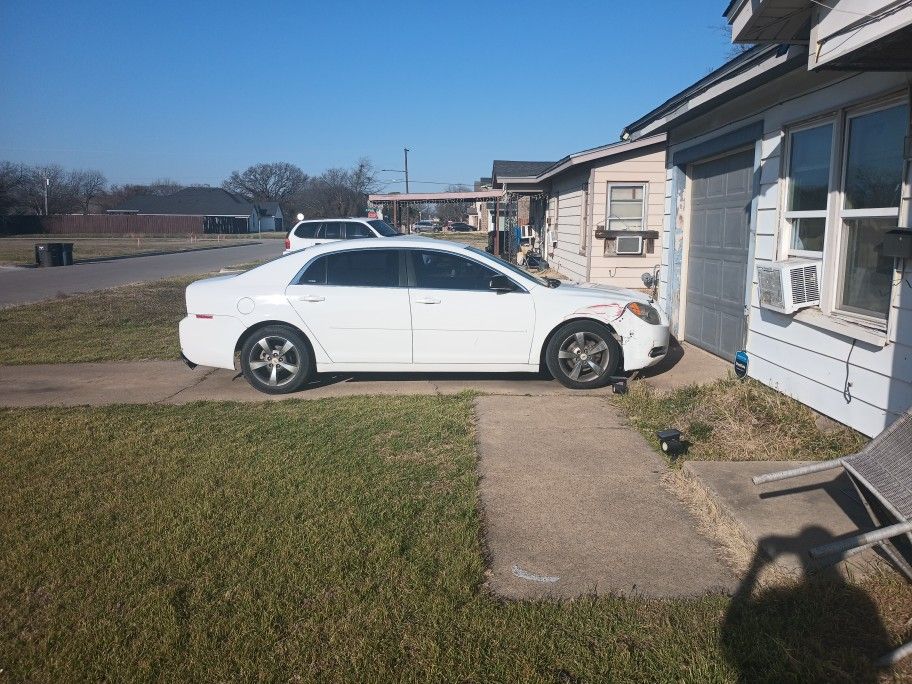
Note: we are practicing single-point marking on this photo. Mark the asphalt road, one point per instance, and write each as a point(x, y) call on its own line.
point(25, 285)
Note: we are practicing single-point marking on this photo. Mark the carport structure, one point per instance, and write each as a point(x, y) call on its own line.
point(396, 200)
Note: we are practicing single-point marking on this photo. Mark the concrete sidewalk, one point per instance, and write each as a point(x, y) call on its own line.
point(784, 520)
point(574, 504)
point(142, 382)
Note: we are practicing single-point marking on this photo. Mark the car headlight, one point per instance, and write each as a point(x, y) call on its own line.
point(645, 312)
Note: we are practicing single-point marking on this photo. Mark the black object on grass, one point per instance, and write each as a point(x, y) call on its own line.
point(670, 439)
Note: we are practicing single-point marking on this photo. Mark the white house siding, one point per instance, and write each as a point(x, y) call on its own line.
point(627, 271)
point(566, 208)
point(862, 385)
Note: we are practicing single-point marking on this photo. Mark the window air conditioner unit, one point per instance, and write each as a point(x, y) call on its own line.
point(787, 286)
point(629, 244)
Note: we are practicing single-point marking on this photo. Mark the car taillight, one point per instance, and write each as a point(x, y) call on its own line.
point(287, 243)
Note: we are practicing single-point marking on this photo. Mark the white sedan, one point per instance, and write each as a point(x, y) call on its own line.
point(414, 304)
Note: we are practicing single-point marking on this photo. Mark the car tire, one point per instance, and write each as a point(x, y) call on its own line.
point(583, 355)
point(276, 359)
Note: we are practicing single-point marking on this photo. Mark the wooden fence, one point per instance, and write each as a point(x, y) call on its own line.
point(104, 224)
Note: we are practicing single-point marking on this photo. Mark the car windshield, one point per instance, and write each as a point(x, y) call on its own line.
point(513, 267)
point(383, 228)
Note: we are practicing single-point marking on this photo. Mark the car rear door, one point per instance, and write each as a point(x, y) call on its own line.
point(330, 231)
point(457, 318)
point(357, 305)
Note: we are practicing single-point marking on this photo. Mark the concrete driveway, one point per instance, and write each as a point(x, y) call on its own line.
point(25, 285)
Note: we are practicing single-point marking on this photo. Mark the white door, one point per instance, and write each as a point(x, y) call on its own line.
point(457, 318)
point(353, 303)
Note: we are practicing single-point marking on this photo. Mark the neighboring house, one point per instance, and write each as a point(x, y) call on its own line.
point(270, 216)
point(517, 210)
point(223, 211)
point(797, 149)
point(599, 211)
point(480, 209)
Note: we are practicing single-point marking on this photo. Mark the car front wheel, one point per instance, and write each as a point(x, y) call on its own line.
point(583, 355)
point(276, 359)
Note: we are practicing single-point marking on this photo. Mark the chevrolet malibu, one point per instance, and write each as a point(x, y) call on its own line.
point(413, 304)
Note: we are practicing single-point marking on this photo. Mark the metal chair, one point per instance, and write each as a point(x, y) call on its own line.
point(882, 475)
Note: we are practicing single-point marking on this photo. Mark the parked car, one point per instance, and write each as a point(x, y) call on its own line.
point(408, 304)
point(316, 232)
point(426, 227)
point(460, 227)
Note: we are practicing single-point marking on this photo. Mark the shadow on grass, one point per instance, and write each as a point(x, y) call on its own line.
point(821, 629)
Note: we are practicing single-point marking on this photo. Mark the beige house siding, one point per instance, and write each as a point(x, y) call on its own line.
point(598, 263)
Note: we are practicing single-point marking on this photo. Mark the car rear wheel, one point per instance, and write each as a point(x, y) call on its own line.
point(276, 359)
point(583, 355)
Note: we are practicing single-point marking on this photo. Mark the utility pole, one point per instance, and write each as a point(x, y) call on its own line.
point(406, 169)
point(47, 183)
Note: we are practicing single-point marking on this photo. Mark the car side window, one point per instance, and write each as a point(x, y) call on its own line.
point(363, 268)
point(444, 271)
point(307, 230)
point(332, 230)
point(357, 230)
point(315, 273)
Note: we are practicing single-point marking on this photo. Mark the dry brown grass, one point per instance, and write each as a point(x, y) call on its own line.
point(738, 420)
point(20, 250)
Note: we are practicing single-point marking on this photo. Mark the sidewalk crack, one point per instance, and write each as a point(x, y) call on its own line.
point(190, 386)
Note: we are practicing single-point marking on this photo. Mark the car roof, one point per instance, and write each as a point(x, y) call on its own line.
point(347, 218)
point(386, 242)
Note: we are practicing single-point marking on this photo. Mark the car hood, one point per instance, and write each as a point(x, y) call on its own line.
point(590, 291)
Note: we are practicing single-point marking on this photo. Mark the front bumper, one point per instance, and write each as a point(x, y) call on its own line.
point(644, 345)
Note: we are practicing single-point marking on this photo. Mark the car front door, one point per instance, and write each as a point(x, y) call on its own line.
point(458, 319)
point(356, 304)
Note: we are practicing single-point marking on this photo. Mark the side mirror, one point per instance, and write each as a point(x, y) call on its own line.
point(501, 284)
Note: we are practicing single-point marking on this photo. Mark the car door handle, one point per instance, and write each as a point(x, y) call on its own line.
point(311, 298)
point(427, 300)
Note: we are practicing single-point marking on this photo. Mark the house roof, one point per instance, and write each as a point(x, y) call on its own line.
point(585, 156)
point(191, 202)
point(745, 72)
point(514, 169)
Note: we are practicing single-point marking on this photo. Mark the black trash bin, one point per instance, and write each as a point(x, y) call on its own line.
point(66, 253)
point(51, 254)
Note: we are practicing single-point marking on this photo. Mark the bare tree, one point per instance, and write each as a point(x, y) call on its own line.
point(274, 182)
point(118, 194)
point(453, 211)
point(88, 185)
point(13, 177)
point(338, 192)
point(55, 183)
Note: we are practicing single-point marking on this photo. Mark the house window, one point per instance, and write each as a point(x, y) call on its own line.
point(626, 207)
point(810, 151)
point(866, 188)
point(872, 186)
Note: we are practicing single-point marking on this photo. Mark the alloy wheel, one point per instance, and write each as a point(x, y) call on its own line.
point(584, 356)
point(274, 360)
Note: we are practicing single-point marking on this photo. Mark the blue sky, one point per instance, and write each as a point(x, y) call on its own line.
point(194, 90)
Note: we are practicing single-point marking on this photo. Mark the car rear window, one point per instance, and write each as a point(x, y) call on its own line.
point(357, 230)
point(307, 230)
point(383, 228)
point(332, 230)
point(363, 268)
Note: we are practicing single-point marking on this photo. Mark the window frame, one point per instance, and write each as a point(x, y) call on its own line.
point(786, 215)
point(833, 256)
point(644, 185)
point(840, 213)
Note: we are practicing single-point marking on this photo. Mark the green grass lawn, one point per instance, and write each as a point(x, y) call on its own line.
point(129, 323)
point(335, 540)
